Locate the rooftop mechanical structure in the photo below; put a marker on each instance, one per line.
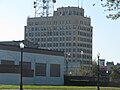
(44, 8)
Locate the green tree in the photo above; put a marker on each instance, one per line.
(115, 75)
(83, 71)
(113, 8)
(94, 68)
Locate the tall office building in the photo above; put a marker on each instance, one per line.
(67, 30)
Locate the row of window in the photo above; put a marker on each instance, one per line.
(68, 27)
(49, 39)
(68, 12)
(84, 34)
(85, 23)
(57, 33)
(80, 56)
(84, 39)
(40, 68)
(79, 61)
(78, 50)
(68, 44)
(47, 22)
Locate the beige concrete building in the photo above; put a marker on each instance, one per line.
(67, 30)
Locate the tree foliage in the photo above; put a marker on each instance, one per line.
(112, 7)
(115, 72)
(94, 68)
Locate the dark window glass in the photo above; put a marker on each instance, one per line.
(40, 69)
(55, 70)
(7, 62)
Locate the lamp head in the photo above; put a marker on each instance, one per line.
(68, 54)
(22, 45)
(81, 52)
(98, 55)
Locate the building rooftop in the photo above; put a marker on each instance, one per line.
(17, 43)
(110, 63)
(65, 11)
(30, 48)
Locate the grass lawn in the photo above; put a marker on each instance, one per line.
(31, 87)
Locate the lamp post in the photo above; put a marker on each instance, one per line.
(68, 54)
(81, 53)
(98, 84)
(21, 48)
(81, 64)
(70, 73)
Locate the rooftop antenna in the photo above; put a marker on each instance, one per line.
(81, 3)
(78, 3)
(44, 7)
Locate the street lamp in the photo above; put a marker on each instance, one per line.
(81, 53)
(98, 84)
(81, 64)
(70, 73)
(21, 48)
(68, 54)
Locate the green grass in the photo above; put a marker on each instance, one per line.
(33, 87)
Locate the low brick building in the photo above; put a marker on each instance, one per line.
(40, 66)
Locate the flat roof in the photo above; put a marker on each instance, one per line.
(31, 50)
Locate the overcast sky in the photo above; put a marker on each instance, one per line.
(106, 32)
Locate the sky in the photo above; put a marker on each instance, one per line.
(106, 32)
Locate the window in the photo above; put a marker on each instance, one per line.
(69, 44)
(74, 38)
(70, 13)
(61, 44)
(40, 69)
(74, 12)
(66, 44)
(63, 13)
(7, 62)
(44, 45)
(60, 38)
(74, 44)
(44, 39)
(66, 38)
(67, 32)
(74, 49)
(32, 29)
(55, 70)
(74, 33)
(73, 55)
(50, 44)
(56, 44)
(38, 33)
(60, 32)
(26, 65)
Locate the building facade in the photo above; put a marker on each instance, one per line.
(67, 30)
(40, 67)
(110, 65)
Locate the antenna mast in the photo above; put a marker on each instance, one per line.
(44, 7)
(81, 3)
(78, 3)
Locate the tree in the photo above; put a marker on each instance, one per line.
(94, 68)
(85, 71)
(115, 75)
(113, 8)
